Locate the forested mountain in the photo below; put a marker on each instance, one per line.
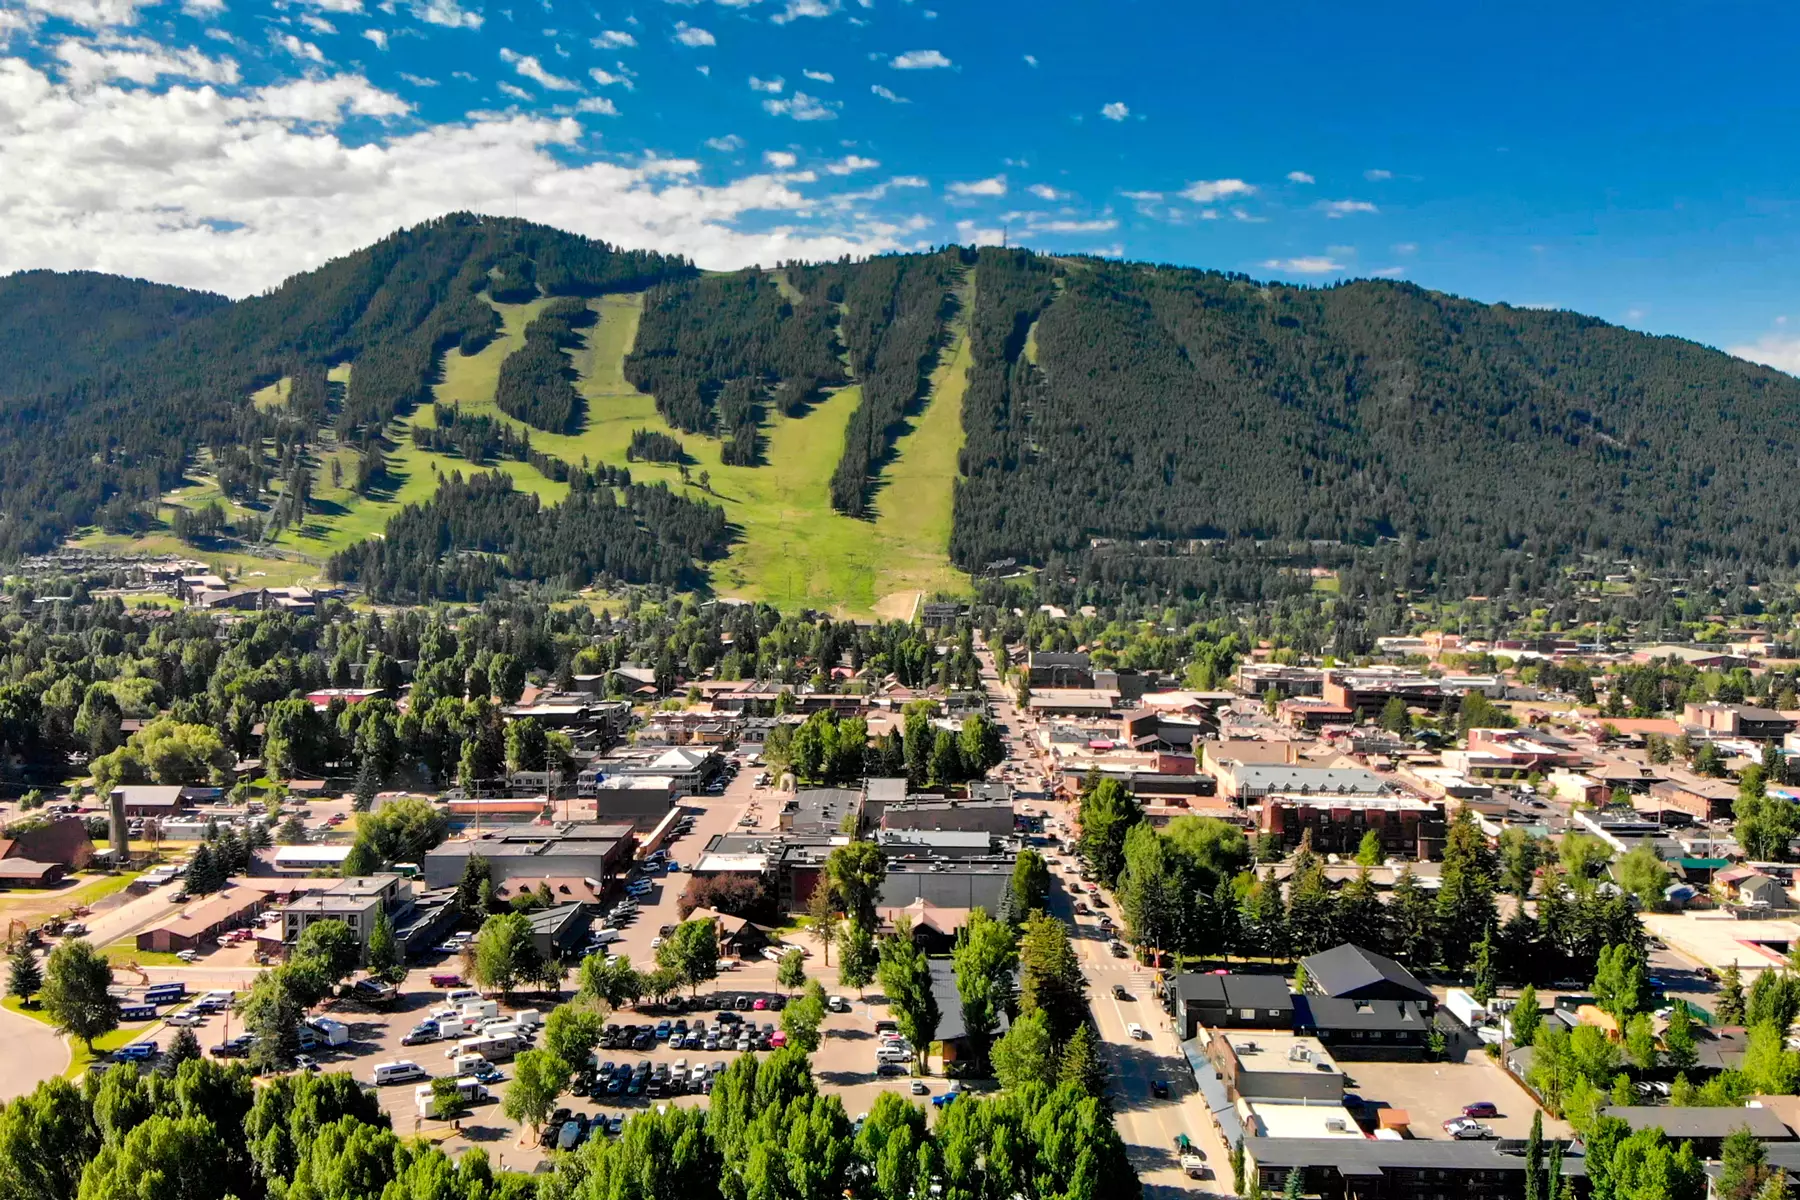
(1125, 423)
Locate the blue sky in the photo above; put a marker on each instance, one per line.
(1634, 165)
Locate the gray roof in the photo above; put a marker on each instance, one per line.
(1278, 777)
(1236, 991)
(1363, 1157)
(1326, 1012)
(1344, 970)
(1711, 1122)
(949, 1001)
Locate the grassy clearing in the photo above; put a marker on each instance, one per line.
(88, 889)
(273, 396)
(79, 1057)
(269, 572)
(127, 952)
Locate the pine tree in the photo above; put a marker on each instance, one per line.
(1553, 1182)
(1081, 1063)
(1534, 1157)
(1730, 1008)
(368, 782)
(24, 977)
(385, 960)
(1486, 984)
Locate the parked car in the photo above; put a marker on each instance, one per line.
(1481, 1108)
(919, 1088)
(1159, 1088)
(1464, 1129)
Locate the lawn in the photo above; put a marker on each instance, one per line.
(269, 572)
(127, 951)
(27, 905)
(79, 1058)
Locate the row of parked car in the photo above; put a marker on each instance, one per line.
(566, 1130)
(728, 1031)
(654, 1080)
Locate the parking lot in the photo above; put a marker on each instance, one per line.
(1432, 1093)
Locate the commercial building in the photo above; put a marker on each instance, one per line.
(1275, 1065)
(1349, 972)
(1407, 826)
(1738, 720)
(1230, 1001)
(358, 902)
(1367, 1029)
(589, 851)
(229, 908)
(961, 883)
(641, 801)
(1247, 781)
(1074, 702)
(1049, 669)
(971, 816)
(822, 811)
(1401, 1169)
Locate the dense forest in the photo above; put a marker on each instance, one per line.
(1128, 426)
(477, 532)
(713, 349)
(116, 423)
(894, 310)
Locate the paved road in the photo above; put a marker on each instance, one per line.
(33, 1054)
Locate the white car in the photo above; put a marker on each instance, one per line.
(1137, 1032)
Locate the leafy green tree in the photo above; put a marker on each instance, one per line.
(616, 984)
(985, 956)
(1026, 1054)
(333, 946)
(1640, 1042)
(504, 952)
(476, 872)
(1394, 717)
(446, 1097)
(691, 952)
(1030, 886)
(801, 1019)
(1520, 854)
(23, 975)
(790, 972)
(47, 1138)
(1525, 1016)
(1106, 814)
(386, 961)
(1369, 852)
(1621, 983)
(1050, 978)
(1768, 1065)
(76, 993)
(404, 830)
(571, 1032)
(822, 909)
(944, 767)
(1153, 897)
(905, 975)
(1730, 1007)
(538, 1078)
(1743, 1166)
(856, 871)
(1680, 1050)
(857, 955)
(164, 1158)
(273, 1011)
(1583, 856)
(1534, 1157)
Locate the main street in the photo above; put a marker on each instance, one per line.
(1148, 1125)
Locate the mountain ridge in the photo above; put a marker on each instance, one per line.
(1134, 424)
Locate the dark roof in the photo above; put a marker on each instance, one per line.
(1236, 991)
(1349, 971)
(949, 1001)
(1329, 1012)
(1711, 1122)
(1354, 1157)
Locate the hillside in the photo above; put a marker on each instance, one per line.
(852, 435)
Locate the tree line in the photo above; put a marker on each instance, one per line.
(536, 382)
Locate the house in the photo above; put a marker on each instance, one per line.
(1763, 893)
(933, 927)
(1349, 972)
(229, 908)
(561, 931)
(16, 871)
(153, 800)
(1365, 1029)
(739, 937)
(1230, 1001)
(1738, 721)
(63, 842)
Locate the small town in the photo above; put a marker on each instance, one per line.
(1444, 921)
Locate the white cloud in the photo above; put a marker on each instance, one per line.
(1116, 250)
(974, 234)
(1343, 208)
(203, 9)
(802, 107)
(235, 189)
(1406, 247)
(1031, 60)
(448, 13)
(1377, 175)
(885, 94)
(802, 8)
(819, 76)
(613, 39)
(605, 78)
(378, 36)
(93, 14)
(909, 181)
(1299, 177)
(1389, 272)
(1095, 226)
(850, 164)
(767, 85)
(515, 91)
(919, 60)
(1244, 215)
(1044, 191)
(138, 60)
(781, 160)
(992, 186)
(1205, 191)
(317, 23)
(418, 80)
(1309, 265)
(728, 144)
(1778, 350)
(704, 69)
(688, 35)
(336, 6)
(528, 66)
(300, 49)
(597, 104)
(1116, 111)
(1146, 197)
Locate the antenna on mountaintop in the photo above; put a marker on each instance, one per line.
(1005, 229)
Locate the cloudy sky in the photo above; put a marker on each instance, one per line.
(1634, 165)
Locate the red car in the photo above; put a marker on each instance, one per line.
(1481, 1108)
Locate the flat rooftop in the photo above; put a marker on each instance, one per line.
(1270, 1052)
(1264, 1118)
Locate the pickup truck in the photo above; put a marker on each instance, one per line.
(1194, 1165)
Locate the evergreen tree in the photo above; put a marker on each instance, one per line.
(23, 976)
(1730, 1008)
(1081, 1064)
(1534, 1157)
(1486, 981)
(1465, 899)
(386, 962)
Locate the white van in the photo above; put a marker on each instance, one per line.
(461, 995)
(332, 1033)
(467, 1064)
(399, 1071)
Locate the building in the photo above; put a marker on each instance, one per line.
(357, 901)
(587, 851)
(1049, 669)
(1701, 798)
(559, 932)
(155, 800)
(1400, 1169)
(822, 811)
(1707, 1128)
(322, 698)
(975, 882)
(641, 801)
(563, 889)
(231, 907)
(1365, 1028)
(18, 871)
(739, 937)
(952, 1033)
(1738, 721)
(1248, 781)
(310, 858)
(63, 842)
(1230, 1001)
(1407, 826)
(970, 816)
(936, 844)
(1074, 702)
(1349, 972)
(1275, 1065)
